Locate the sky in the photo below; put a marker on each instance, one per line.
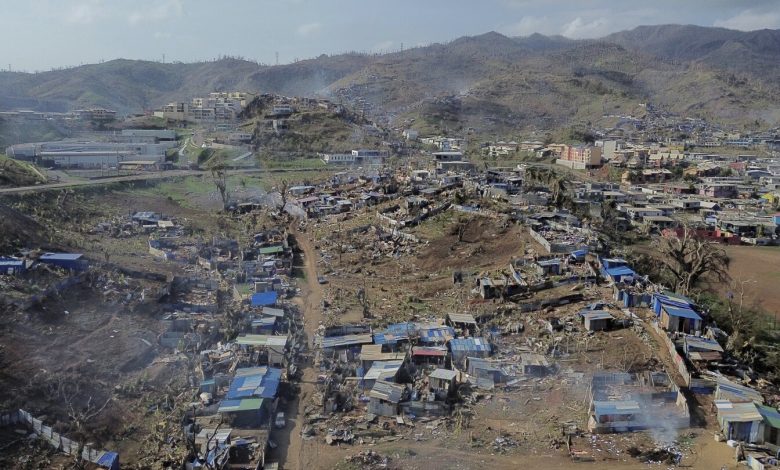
(44, 34)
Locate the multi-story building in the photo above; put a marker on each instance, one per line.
(580, 157)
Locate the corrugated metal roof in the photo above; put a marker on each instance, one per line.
(731, 391)
(244, 404)
(273, 312)
(387, 391)
(681, 312)
(469, 344)
(423, 351)
(443, 374)
(532, 359)
(697, 342)
(596, 315)
(436, 334)
(739, 412)
(616, 407)
(60, 256)
(270, 250)
(462, 318)
(383, 369)
(771, 415)
(262, 340)
(347, 340)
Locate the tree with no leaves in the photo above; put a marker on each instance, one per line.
(688, 257)
(218, 170)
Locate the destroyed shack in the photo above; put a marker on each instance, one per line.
(461, 348)
(429, 356)
(596, 320)
(384, 398)
(264, 349)
(383, 371)
(443, 383)
(534, 365)
(462, 322)
(623, 402)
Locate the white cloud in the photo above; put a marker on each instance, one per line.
(751, 20)
(527, 26)
(580, 29)
(308, 29)
(161, 11)
(85, 12)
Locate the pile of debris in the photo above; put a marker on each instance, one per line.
(369, 459)
(659, 455)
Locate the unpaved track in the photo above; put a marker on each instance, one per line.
(297, 457)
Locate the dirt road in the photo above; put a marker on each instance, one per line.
(310, 301)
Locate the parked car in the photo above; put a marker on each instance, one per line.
(280, 422)
(322, 280)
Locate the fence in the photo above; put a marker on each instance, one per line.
(105, 459)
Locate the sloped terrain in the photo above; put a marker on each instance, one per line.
(488, 81)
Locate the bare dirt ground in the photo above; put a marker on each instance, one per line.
(760, 266)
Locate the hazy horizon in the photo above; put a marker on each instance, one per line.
(92, 31)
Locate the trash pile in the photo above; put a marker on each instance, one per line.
(660, 455)
(368, 459)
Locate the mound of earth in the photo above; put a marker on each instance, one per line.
(17, 229)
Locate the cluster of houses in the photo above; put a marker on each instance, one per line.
(413, 368)
(241, 381)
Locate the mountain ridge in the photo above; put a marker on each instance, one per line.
(708, 72)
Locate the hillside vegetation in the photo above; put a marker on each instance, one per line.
(307, 131)
(18, 173)
(489, 82)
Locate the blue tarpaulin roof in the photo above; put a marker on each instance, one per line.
(681, 312)
(264, 298)
(469, 344)
(109, 460)
(579, 253)
(263, 384)
(620, 271)
(437, 335)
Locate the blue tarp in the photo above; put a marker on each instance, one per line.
(260, 385)
(262, 299)
(469, 344)
(437, 335)
(109, 460)
(681, 312)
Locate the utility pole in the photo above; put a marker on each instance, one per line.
(277, 57)
(163, 58)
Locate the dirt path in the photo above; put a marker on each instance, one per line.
(310, 302)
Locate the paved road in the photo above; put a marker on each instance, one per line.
(137, 177)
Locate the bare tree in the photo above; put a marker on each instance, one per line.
(688, 257)
(741, 318)
(218, 170)
(79, 412)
